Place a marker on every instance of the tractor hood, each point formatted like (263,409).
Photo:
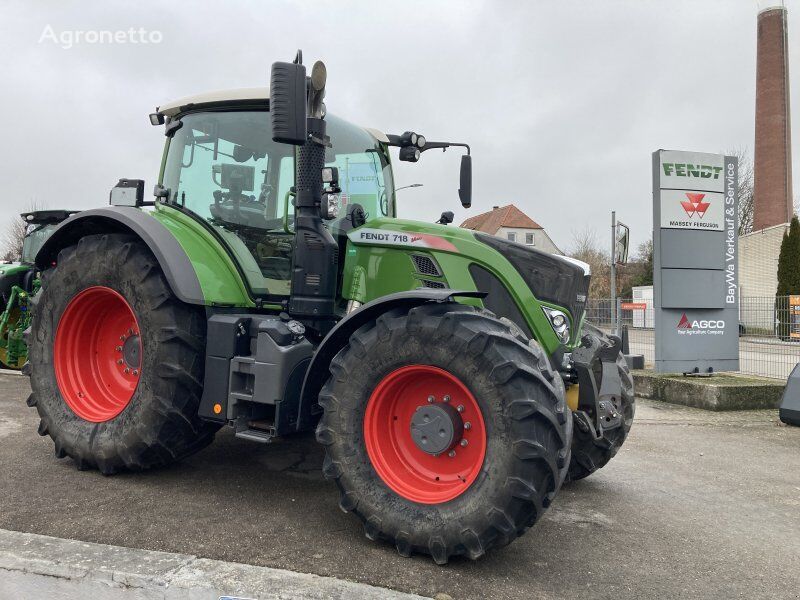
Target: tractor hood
(551,278)
(418,234)
(554,279)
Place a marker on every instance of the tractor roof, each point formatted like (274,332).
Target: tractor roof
(233,96)
(170,109)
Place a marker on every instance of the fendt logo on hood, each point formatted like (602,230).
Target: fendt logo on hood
(695,205)
(700,327)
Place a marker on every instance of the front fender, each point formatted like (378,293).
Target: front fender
(339,336)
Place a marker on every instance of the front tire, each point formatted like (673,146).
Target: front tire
(460,499)
(116,360)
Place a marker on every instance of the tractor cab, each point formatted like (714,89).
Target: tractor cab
(39,225)
(222,166)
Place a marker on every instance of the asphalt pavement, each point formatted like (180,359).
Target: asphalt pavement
(696,505)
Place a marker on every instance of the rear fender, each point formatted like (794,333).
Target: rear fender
(220,284)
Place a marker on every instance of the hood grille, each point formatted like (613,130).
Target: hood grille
(425,265)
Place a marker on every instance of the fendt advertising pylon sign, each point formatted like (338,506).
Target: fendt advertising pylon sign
(695,275)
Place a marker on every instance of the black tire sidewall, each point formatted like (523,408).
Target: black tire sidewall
(125,266)
(387,348)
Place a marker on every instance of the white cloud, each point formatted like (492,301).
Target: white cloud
(562,102)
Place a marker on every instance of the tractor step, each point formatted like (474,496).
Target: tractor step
(255,431)
(256,435)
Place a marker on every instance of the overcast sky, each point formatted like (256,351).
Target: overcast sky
(562,102)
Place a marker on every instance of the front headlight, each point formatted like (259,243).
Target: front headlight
(559,322)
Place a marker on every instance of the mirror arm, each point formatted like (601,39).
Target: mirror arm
(444,146)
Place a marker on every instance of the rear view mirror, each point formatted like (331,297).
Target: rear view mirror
(623,239)
(465,182)
(287,103)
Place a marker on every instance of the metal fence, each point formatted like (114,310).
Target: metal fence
(768,329)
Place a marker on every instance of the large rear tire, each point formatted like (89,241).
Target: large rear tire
(116,360)
(502,467)
(590,454)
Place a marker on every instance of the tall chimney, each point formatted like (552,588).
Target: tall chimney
(773,150)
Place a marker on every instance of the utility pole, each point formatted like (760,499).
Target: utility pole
(613,271)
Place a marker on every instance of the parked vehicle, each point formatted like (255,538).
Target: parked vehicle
(18,282)
(272,288)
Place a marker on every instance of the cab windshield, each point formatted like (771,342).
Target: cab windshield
(225,168)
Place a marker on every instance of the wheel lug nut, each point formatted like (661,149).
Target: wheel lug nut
(460,408)
(119,348)
(467,425)
(464,443)
(136,372)
(122,338)
(431,399)
(451,454)
(446,398)
(119,361)
(127,370)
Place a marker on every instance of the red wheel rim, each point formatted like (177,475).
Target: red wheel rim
(97,354)
(409,471)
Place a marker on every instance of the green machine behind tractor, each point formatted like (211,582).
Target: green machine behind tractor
(270,287)
(18,282)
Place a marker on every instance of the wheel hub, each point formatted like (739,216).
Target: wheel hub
(132,352)
(436,428)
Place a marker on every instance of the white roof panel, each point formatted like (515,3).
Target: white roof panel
(172,108)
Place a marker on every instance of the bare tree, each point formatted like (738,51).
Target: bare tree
(642,265)
(586,247)
(12,240)
(745,189)
(14,235)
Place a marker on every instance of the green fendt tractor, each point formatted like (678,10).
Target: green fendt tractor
(18,282)
(271,287)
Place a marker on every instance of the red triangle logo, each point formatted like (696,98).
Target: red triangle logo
(695,204)
(684,323)
(688,207)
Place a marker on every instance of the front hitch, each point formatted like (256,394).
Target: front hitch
(599,410)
